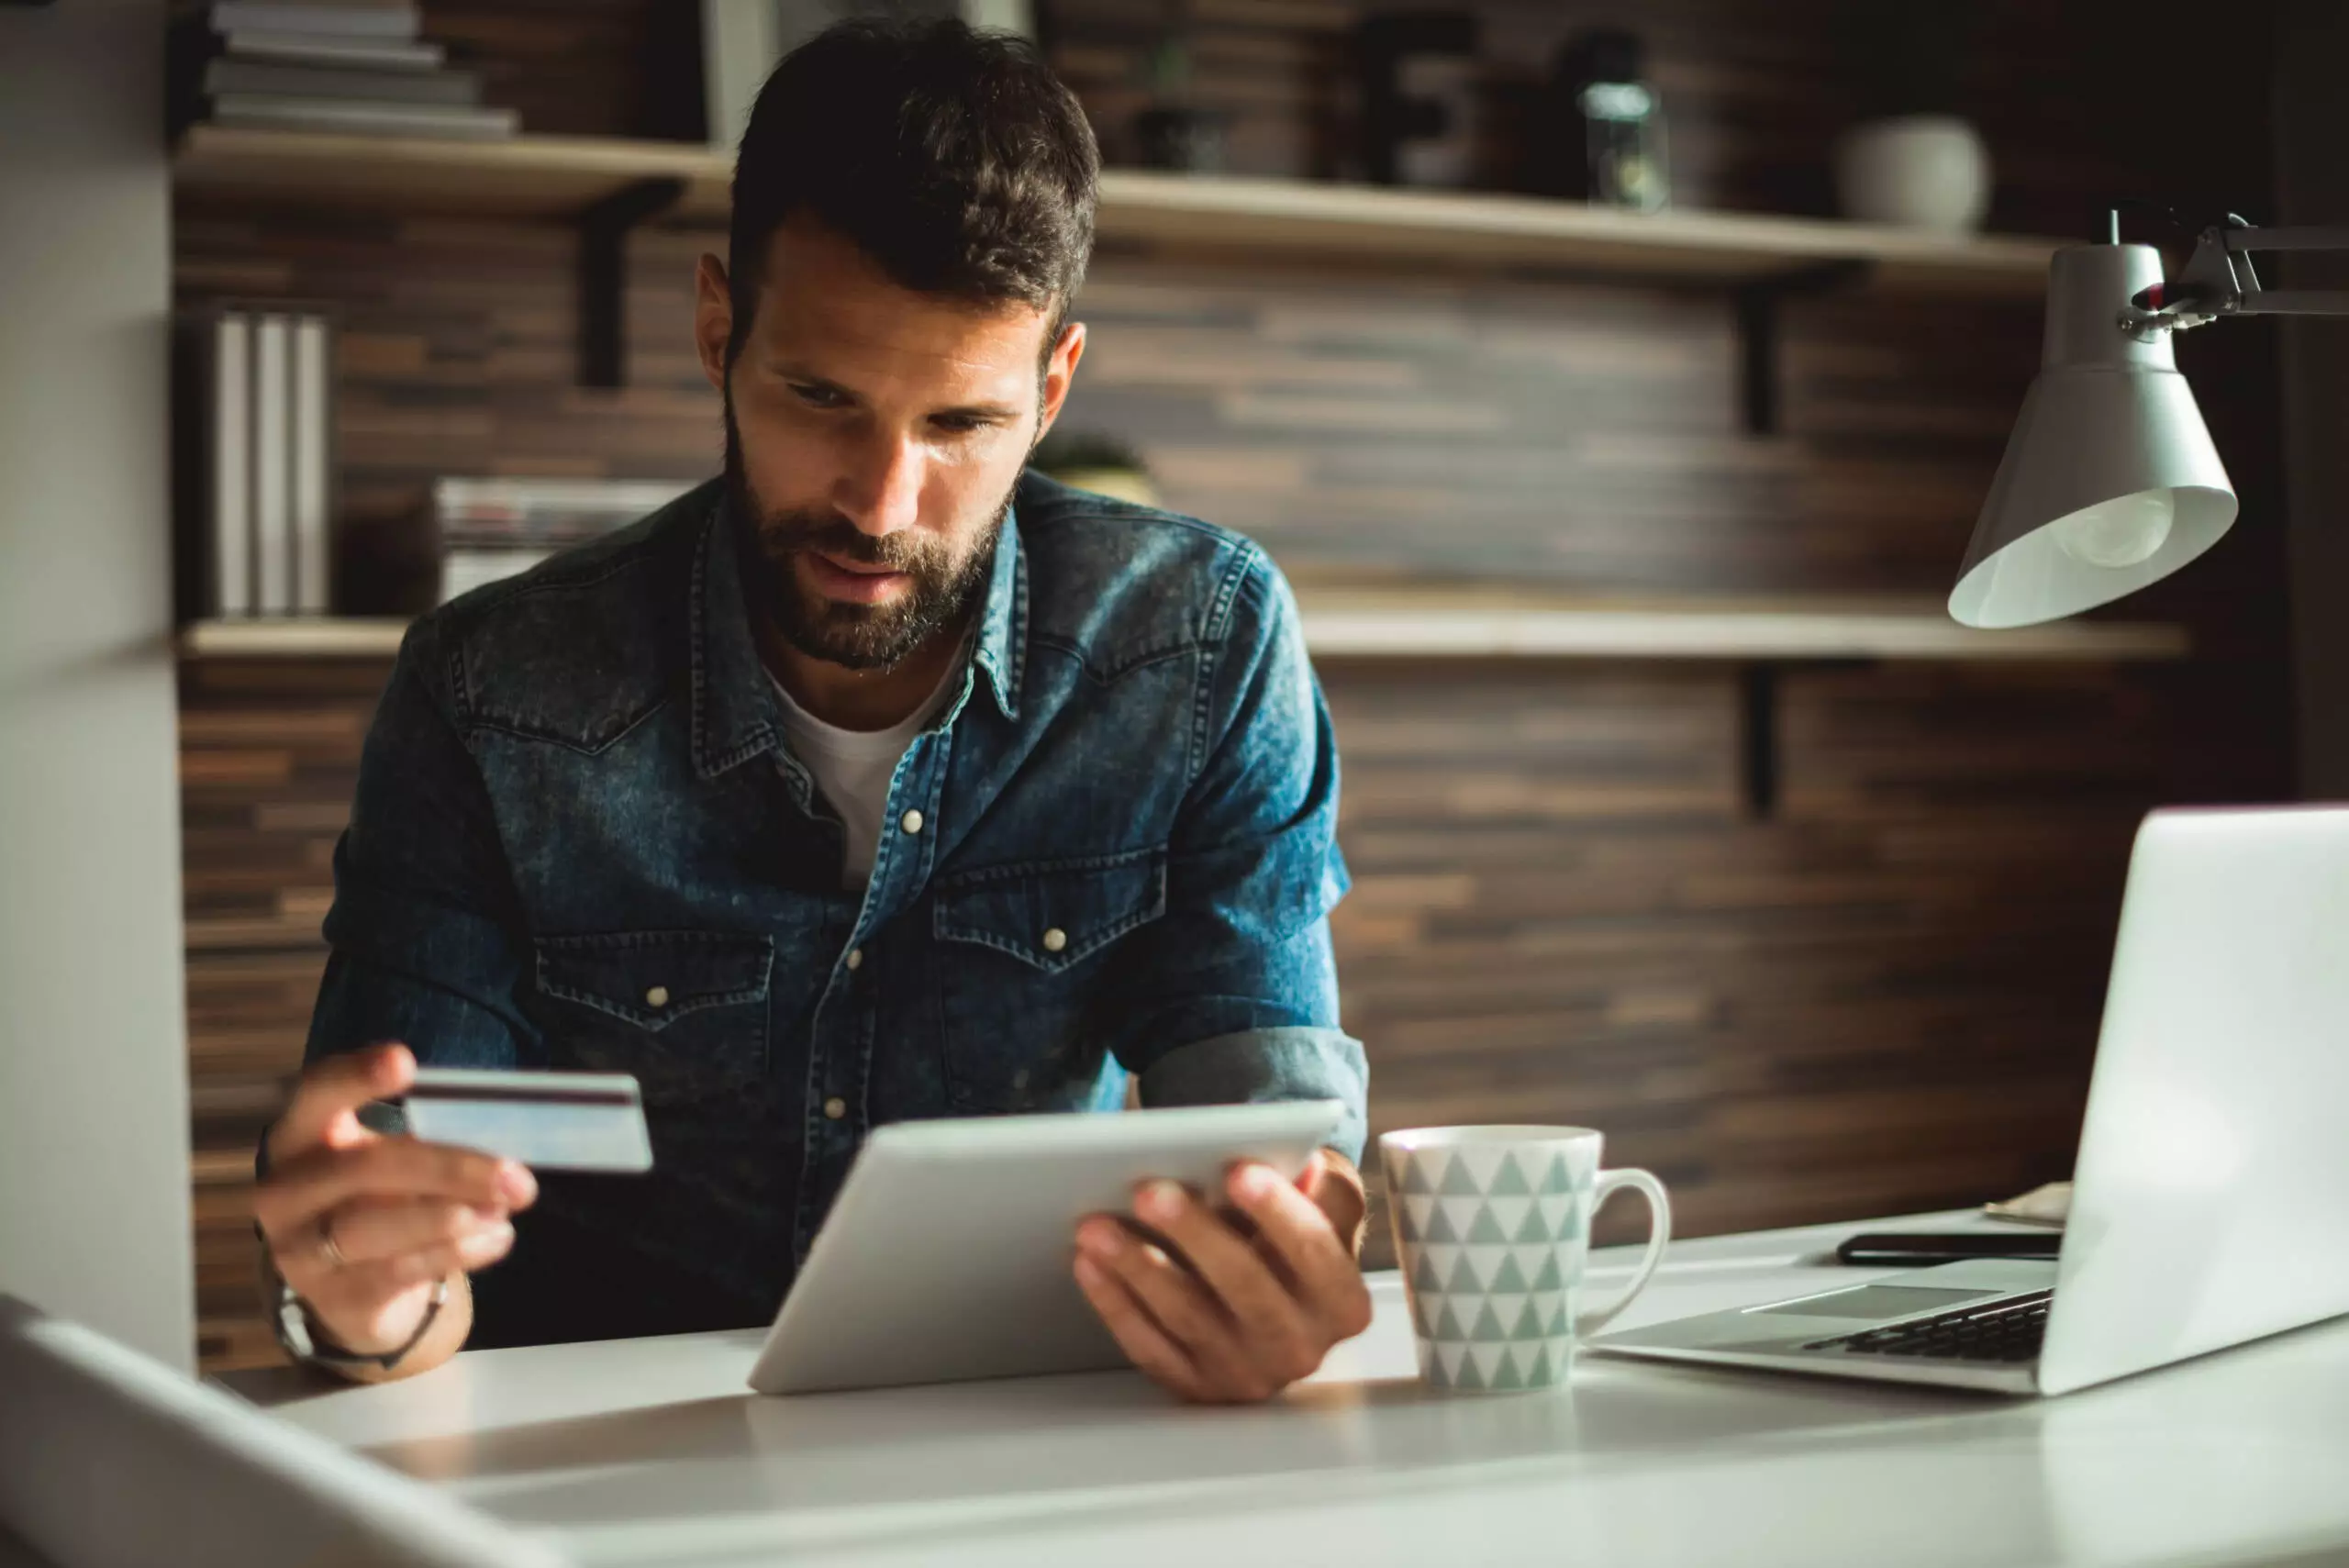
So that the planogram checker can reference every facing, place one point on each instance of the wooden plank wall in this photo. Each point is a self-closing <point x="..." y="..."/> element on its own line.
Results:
<point x="1883" y="998"/>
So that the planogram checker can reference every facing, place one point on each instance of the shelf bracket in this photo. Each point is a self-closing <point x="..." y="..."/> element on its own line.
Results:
<point x="1760" y="762"/>
<point x="604" y="230"/>
<point x="1757" y="333"/>
<point x="1757" y="740"/>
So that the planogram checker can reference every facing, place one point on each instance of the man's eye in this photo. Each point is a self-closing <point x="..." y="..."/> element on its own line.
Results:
<point x="819" y="396"/>
<point x="959" y="424"/>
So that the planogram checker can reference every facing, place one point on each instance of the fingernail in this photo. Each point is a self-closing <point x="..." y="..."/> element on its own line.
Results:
<point x="1099" y="1238"/>
<point x="517" y="1182"/>
<point x="1160" y="1200"/>
<point x="491" y="1239"/>
<point x="1253" y="1182"/>
<point x="1087" y="1271"/>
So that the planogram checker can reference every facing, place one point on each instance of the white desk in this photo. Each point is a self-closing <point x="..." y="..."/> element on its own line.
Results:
<point x="651" y="1452"/>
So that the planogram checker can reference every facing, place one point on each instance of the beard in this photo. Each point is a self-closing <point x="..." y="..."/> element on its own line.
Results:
<point x="945" y="583"/>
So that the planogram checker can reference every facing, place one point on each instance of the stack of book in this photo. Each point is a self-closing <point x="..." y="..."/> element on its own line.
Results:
<point x="492" y="528"/>
<point x="254" y="419"/>
<point x="327" y="65"/>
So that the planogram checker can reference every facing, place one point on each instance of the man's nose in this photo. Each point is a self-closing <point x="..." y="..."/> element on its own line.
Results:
<point x="880" y="493"/>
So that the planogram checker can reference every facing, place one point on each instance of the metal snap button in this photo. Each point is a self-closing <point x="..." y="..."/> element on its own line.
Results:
<point x="910" y="822"/>
<point x="657" y="997"/>
<point x="835" y="1108"/>
<point x="1055" y="939"/>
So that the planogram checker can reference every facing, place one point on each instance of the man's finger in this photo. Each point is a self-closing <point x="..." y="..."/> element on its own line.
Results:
<point x="335" y="1086"/>
<point x="299" y="1192"/>
<point x="1181" y="1306"/>
<point x="369" y="1229"/>
<point x="1146" y="1345"/>
<point x="1274" y="1325"/>
<point x="350" y="1300"/>
<point x="1299" y="1233"/>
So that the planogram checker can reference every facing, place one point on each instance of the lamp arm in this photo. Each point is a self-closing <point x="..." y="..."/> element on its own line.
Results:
<point x="2303" y="237"/>
<point x="2291" y="302"/>
<point x="2219" y="281"/>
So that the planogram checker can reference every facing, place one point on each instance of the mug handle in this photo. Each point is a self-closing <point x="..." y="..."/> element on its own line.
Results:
<point x="1659" y="1237"/>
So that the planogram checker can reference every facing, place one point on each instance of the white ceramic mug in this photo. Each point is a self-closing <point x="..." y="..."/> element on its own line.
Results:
<point x="1492" y="1228"/>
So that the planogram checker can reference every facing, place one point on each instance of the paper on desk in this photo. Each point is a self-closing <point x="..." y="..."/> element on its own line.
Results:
<point x="2048" y="1205"/>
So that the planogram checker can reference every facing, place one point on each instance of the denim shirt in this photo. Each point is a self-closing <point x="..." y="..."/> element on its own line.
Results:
<point x="581" y="840"/>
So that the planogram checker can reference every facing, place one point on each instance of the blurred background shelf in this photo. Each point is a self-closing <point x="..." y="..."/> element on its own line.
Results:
<point x="554" y="177"/>
<point x="1358" y="622"/>
<point x="522" y="177"/>
<point x="1354" y="621"/>
<point x="334" y="637"/>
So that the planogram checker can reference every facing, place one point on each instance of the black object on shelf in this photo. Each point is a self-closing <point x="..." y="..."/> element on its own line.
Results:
<point x="1175" y="133"/>
<point x="1421" y="97"/>
<point x="1605" y="124"/>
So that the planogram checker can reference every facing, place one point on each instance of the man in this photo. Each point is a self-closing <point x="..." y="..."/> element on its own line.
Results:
<point x="878" y="780"/>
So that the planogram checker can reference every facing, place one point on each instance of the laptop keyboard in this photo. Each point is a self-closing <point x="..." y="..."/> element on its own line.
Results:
<point x="2009" y="1329"/>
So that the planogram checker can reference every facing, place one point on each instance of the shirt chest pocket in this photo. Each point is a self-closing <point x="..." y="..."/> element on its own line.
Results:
<point x="1021" y="959"/>
<point x="684" y="1011"/>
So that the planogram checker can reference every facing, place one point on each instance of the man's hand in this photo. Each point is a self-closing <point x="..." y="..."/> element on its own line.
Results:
<point x="363" y="1226"/>
<point x="1215" y="1314"/>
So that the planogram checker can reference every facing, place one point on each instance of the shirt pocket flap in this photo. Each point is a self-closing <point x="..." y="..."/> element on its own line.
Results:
<point x="1053" y="914"/>
<point x="654" y="978"/>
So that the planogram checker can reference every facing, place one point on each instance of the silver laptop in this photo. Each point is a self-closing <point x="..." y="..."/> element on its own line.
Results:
<point x="2210" y="1199"/>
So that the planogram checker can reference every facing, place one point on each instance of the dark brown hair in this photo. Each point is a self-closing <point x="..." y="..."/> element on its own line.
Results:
<point x="954" y="159"/>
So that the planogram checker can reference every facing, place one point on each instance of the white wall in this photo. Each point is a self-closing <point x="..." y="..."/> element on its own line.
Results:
<point x="94" y="1126"/>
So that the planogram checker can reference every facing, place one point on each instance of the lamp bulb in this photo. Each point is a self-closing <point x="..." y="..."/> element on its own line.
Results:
<point x="2127" y="530"/>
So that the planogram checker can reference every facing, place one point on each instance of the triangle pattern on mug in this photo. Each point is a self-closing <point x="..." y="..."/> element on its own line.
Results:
<point x="1509" y="1181"/>
<point x="1457" y="1182"/>
<point x="1423" y="1275"/>
<point x="1464" y="1281"/>
<point x="1489" y="1238"/>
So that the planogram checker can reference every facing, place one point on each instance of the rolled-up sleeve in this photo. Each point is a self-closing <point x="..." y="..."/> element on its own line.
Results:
<point x="1231" y="996"/>
<point x="425" y="942"/>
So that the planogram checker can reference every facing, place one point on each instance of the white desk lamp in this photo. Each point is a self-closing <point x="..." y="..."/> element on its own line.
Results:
<point x="2110" y="481"/>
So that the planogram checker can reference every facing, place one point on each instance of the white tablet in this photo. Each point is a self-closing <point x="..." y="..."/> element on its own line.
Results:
<point x="947" y="1255"/>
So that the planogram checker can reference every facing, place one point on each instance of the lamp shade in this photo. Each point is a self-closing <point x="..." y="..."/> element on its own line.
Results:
<point x="2110" y="481"/>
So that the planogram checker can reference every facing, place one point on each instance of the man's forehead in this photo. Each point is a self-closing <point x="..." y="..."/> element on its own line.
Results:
<point x="824" y="299"/>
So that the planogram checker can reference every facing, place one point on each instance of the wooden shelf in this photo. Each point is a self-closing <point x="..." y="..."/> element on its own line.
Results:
<point x="549" y="177"/>
<point x="1474" y="228"/>
<point x="1353" y="621"/>
<point x="561" y="177"/>
<point x="1390" y="622"/>
<point x="304" y="637"/>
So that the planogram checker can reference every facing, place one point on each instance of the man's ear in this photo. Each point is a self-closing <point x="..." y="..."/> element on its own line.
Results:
<point x="1060" y="373"/>
<point x="713" y="317"/>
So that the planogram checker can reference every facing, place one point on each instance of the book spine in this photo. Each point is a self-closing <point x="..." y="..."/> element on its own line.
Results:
<point x="313" y="412"/>
<point x="317" y="49"/>
<point x="273" y="470"/>
<point x="349" y="115"/>
<point x="388" y="21"/>
<point x="229" y="535"/>
<point x="270" y="78"/>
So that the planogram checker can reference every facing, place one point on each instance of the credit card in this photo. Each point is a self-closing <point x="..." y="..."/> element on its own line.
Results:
<point x="550" y="1121"/>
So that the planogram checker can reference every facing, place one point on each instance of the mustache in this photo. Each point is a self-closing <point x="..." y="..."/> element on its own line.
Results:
<point x="795" y="533"/>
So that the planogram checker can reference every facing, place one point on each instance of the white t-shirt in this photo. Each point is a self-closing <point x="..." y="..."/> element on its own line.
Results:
<point x="854" y="767"/>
